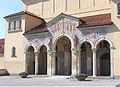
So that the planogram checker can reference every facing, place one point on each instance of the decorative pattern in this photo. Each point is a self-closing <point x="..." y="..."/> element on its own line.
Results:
<point x="76" y="40"/>
<point x="64" y="26"/>
<point x="50" y="43"/>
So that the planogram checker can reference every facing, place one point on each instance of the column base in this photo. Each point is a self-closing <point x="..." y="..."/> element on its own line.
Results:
<point x="94" y="76"/>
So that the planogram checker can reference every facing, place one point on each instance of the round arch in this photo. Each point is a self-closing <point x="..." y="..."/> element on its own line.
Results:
<point x="83" y="41"/>
<point x="102" y="39"/>
<point x="28" y="46"/>
<point x="60" y="36"/>
<point x="86" y="59"/>
<point x="42" y="60"/>
<point x="40" y="45"/>
<point x="30" y="60"/>
<point x="104" y="57"/>
<point x="63" y="56"/>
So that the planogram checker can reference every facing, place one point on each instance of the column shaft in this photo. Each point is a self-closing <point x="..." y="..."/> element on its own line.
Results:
<point x="94" y="62"/>
<point x="79" y="62"/>
<point x="112" y="61"/>
<point x="36" y="63"/>
<point x="53" y="62"/>
<point x="25" y="61"/>
<point x="74" y="62"/>
<point x="49" y="63"/>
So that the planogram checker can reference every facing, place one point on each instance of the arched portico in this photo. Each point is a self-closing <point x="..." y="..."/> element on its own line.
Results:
<point x="86" y="58"/>
<point x="96" y="64"/>
<point x="42" y="60"/>
<point x="63" y="56"/>
<point x="60" y="36"/>
<point x="107" y="55"/>
<point x="30" y="60"/>
<point x="71" y="54"/>
<point x="103" y="59"/>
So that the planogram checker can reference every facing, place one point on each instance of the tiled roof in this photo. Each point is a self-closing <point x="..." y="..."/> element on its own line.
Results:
<point x="22" y="13"/>
<point x="39" y="29"/>
<point x="90" y="21"/>
<point x="97" y="20"/>
<point x="1" y="50"/>
<point x="2" y="41"/>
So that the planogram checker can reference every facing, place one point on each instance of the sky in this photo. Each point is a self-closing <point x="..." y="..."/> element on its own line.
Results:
<point x="8" y="7"/>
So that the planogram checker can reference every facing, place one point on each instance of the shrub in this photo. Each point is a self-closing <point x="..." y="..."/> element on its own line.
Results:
<point x="23" y="74"/>
<point x="81" y="77"/>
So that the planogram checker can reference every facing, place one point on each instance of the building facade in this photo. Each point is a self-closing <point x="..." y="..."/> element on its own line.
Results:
<point x="64" y="37"/>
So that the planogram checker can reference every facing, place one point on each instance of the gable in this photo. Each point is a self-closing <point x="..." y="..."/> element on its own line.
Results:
<point x="61" y="16"/>
<point x="62" y="24"/>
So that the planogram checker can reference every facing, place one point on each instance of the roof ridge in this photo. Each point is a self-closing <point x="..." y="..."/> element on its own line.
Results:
<point x="23" y="12"/>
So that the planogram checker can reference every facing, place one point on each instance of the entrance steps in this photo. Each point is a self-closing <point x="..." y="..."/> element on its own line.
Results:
<point x="38" y="76"/>
<point x="101" y="77"/>
<point x="70" y="77"/>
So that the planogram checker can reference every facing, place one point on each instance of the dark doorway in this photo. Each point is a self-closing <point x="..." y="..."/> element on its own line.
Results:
<point x="86" y="59"/>
<point x="103" y="59"/>
<point x="31" y="61"/>
<point x="105" y="65"/>
<point x="63" y="56"/>
<point x="42" y="61"/>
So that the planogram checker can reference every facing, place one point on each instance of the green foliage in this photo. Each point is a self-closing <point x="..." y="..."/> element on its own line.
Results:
<point x="23" y="74"/>
<point x="81" y="77"/>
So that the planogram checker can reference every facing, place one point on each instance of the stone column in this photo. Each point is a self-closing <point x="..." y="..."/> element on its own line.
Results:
<point x="112" y="61"/>
<point x="74" y="62"/>
<point x="49" y="63"/>
<point x="53" y="61"/>
<point x="94" y="62"/>
<point x="78" y="61"/>
<point x="25" y="61"/>
<point x="36" y="63"/>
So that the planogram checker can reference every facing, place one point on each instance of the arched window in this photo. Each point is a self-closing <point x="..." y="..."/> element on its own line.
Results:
<point x="13" y="52"/>
<point x="118" y="8"/>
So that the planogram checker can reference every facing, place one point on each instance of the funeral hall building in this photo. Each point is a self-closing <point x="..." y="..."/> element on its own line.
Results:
<point x="64" y="37"/>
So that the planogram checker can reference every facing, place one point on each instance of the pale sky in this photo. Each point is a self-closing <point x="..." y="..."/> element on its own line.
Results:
<point x="8" y="7"/>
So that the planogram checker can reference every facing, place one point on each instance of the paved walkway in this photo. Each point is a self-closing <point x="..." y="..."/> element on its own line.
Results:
<point x="56" y="81"/>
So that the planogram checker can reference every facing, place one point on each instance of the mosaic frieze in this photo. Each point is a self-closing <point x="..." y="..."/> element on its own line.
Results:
<point x="63" y="26"/>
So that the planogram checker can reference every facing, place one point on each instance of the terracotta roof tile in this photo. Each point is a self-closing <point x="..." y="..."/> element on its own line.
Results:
<point x="39" y="29"/>
<point x="97" y="20"/>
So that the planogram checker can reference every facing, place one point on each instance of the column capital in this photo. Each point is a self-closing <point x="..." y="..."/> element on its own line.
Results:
<point x="78" y="50"/>
<point x="94" y="49"/>
<point x="49" y="52"/>
<point x="36" y="53"/>
<point x="112" y="48"/>
<point x="74" y="50"/>
<point x="53" y="51"/>
<point x="26" y="52"/>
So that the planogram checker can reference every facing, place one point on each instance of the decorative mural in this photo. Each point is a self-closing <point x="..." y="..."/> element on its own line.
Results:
<point x="38" y="39"/>
<point x="92" y="34"/>
<point x="63" y="26"/>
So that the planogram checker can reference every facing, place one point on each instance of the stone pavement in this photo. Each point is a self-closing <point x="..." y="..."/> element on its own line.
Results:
<point x="56" y="81"/>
